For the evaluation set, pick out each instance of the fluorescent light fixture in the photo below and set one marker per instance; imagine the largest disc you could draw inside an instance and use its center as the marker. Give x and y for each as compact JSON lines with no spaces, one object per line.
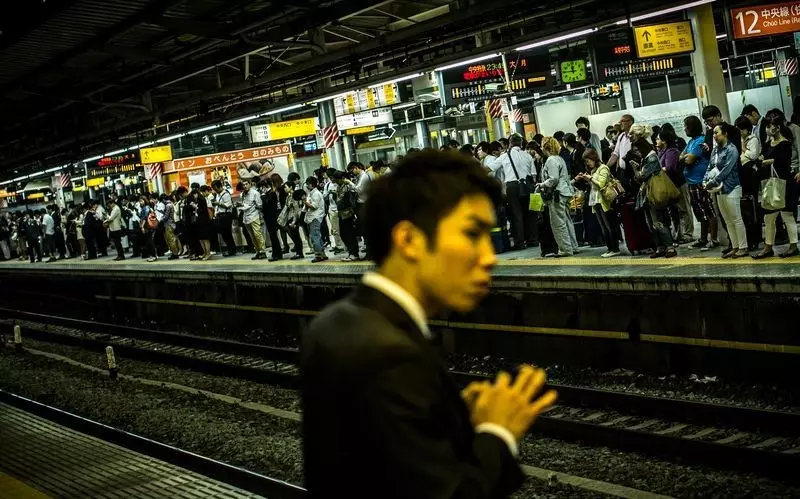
{"x":723,"y":35}
{"x":144,"y":144}
{"x":396,"y":80}
{"x":93,"y":158}
{"x":115,"y":152}
{"x":283,"y":109}
{"x":204,"y":129}
{"x":468,"y":61}
{"x":405,"y":106}
{"x":171,"y":137}
{"x":57,"y":168}
{"x":557,"y":39}
{"x":24,"y":177}
{"x":665,"y":11}
{"x":37,"y":174}
{"x":337,"y":96}
{"x":240,"y":120}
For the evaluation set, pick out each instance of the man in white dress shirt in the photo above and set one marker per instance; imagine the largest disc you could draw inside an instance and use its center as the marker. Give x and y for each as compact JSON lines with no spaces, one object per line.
{"x":518,"y":169}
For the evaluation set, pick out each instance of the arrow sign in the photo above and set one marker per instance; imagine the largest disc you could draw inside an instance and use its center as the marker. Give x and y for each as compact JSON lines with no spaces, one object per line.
{"x":389,"y":132}
{"x":646,"y":36}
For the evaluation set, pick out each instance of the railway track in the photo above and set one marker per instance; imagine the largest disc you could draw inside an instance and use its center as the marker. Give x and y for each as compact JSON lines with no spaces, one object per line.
{"x":766,"y":442}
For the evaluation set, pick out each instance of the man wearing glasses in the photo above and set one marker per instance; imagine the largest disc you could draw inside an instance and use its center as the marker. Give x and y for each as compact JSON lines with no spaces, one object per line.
{"x":712,"y":117}
{"x":623,"y":145}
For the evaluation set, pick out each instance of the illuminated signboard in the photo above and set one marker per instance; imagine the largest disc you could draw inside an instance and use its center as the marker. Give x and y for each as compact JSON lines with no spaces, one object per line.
{"x":366,"y":99}
{"x":381,"y":116}
{"x":479,"y":81}
{"x":765,"y":20}
{"x":156,"y":154}
{"x":284,"y":130}
{"x":114,"y":165}
{"x":660,"y":40}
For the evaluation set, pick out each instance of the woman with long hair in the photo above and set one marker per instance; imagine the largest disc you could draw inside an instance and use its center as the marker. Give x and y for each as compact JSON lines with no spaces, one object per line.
{"x":778,"y":158}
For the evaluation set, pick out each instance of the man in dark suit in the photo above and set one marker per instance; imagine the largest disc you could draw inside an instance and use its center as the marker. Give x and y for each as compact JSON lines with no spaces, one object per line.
{"x":381,"y":417}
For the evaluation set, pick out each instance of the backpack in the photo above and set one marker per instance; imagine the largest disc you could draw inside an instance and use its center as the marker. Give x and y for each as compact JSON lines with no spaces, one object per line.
{"x":152,"y":221}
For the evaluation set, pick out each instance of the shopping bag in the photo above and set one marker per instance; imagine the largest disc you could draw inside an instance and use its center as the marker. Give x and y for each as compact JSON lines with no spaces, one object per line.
{"x":661,"y":191}
{"x":773,"y":192}
{"x":536,"y":202}
{"x":612,"y":190}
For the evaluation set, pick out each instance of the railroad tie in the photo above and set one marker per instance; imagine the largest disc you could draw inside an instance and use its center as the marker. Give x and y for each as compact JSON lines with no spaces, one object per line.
{"x":672,"y":429}
{"x":616,"y":421}
{"x":700,"y":434}
{"x":767,"y":443}
{"x":733,"y":438}
{"x":794,"y":450}
{"x":594,"y":417}
{"x":646,"y":424}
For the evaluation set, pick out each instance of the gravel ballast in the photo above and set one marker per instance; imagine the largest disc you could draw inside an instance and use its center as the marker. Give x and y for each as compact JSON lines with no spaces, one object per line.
{"x":604,"y":464}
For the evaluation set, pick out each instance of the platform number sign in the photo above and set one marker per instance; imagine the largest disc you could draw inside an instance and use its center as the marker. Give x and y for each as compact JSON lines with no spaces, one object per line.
{"x":765,"y":20}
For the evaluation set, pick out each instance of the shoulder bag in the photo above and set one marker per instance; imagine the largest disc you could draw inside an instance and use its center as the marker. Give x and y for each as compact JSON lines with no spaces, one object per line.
{"x":773,"y":192}
{"x":524,"y":187}
{"x":549,"y":193}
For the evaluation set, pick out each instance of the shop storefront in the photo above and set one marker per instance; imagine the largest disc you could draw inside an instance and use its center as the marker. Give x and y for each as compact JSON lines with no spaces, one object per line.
{"x":203,"y":170}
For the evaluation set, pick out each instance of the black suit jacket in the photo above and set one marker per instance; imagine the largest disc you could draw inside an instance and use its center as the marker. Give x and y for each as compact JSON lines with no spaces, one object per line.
{"x":381,"y":416}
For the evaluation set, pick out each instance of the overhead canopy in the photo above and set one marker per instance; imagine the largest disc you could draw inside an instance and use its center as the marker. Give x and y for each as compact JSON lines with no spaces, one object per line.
{"x":37,"y":185}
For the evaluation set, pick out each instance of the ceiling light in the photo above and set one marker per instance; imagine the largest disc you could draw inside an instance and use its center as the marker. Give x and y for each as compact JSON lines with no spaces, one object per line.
{"x":24,"y":177}
{"x":405,"y":106}
{"x":723,"y":35}
{"x":57,"y":168}
{"x":396,"y":80}
{"x":93,"y":158}
{"x":171,"y":137}
{"x":283,"y":109}
{"x":204,"y":129}
{"x":240,"y":120}
{"x":469,"y":61}
{"x":665,"y":11}
{"x":114,"y":152}
{"x":145,"y":144}
{"x":557,"y":39}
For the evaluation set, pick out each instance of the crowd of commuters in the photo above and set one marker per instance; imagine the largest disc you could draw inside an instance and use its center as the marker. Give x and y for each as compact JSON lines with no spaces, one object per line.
{"x":646,"y":186}
{"x":642,"y":185}
{"x":321,"y":214}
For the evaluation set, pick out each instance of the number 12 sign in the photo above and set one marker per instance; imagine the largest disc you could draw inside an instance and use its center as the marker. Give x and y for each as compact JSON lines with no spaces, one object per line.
{"x":766,"y":20}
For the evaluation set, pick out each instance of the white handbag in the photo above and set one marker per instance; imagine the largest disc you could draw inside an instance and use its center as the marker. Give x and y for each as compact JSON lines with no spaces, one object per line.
{"x":773,"y":192}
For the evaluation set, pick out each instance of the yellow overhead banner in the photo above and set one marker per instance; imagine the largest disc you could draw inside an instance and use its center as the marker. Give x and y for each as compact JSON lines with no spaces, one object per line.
{"x":156,"y":154}
{"x":360,"y":130}
{"x":284,"y":130}
{"x":94,"y":182}
{"x":660,"y":40}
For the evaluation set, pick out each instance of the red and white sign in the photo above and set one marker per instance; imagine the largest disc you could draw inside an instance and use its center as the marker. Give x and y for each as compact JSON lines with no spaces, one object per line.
{"x":765,"y":20}
{"x":495,"y":108}
{"x":787,"y":67}
{"x":330,"y":134}
{"x":65,"y":180}
{"x":154,"y":170}
{"x":516,"y":116}
{"x":229,"y":158}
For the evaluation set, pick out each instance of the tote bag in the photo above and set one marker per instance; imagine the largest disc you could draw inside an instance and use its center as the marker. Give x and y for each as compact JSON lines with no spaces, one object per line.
{"x":661,"y":191}
{"x":773,"y":192}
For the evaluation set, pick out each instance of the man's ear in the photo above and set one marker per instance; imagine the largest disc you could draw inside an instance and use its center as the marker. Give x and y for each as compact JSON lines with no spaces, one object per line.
{"x":408,"y":241}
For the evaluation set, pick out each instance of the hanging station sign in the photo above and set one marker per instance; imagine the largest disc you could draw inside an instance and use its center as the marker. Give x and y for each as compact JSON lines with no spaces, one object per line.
{"x":284,"y":130}
{"x":230,"y":157}
{"x":479,"y":81}
{"x":114,"y":165}
{"x":659,"y":40}
{"x":765,"y":20}
{"x":375,"y":117}
{"x":156,"y":154}
{"x":366,"y":99}
{"x":614,"y":54}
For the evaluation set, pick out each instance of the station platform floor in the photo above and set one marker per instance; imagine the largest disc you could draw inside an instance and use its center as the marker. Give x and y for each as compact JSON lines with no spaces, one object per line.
{"x":691,"y":270}
{"x":41,"y":459}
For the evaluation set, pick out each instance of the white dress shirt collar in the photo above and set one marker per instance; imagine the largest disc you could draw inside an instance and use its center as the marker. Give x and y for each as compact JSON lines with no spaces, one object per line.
{"x":400,"y":296}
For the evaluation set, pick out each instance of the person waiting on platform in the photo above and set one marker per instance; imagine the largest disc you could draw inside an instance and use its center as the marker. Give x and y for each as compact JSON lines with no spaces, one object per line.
{"x":148,"y":223}
{"x":202,"y":223}
{"x":251,"y":217}
{"x":346,"y":205}
{"x":555,"y":187}
{"x":599,"y":175}
{"x":695,"y":165}
{"x":646,"y":166}
{"x":777,"y":157}
{"x":114,"y":224}
{"x":375,"y":396}
{"x":722,"y":178}
{"x":314,"y":205}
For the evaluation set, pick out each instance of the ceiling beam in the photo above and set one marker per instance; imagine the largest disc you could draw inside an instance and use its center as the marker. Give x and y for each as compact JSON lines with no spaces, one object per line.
{"x":204,"y":29}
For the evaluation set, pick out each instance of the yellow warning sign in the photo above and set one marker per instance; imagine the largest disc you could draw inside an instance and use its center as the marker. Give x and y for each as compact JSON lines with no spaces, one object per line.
{"x":659,"y":40}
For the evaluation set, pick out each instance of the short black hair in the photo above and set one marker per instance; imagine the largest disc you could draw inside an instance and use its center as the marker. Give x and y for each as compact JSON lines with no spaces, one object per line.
{"x":217,"y":184}
{"x":293,"y":177}
{"x":559,"y":136}
{"x":195,"y":185}
{"x":711,"y":111}
{"x":643,"y":145}
{"x":750,"y":109}
{"x":538,"y":138}
{"x":584,"y":134}
{"x":298,"y":194}
{"x":423,"y":189}
{"x":515,"y":140}
{"x":610,"y":128}
{"x":667,"y":136}
{"x":353,"y":165}
{"x":694,"y":127}
{"x":743,"y":123}
{"x":583,"y":120}
{"x":312,"y":181}
{"x":570,"y":140}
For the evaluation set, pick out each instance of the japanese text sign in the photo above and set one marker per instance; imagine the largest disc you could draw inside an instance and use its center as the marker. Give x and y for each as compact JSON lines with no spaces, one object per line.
{"x":156,"y":154}
{"x":765,"y":20}
{"x":231,"y":157}
{"x":659,"y":40}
